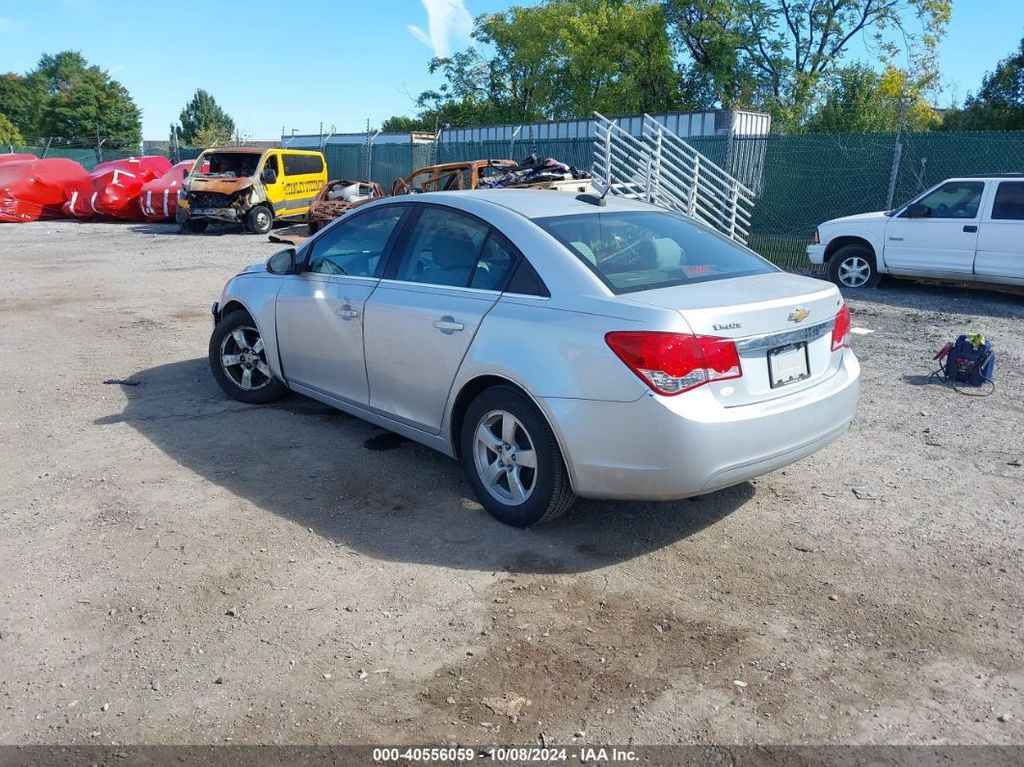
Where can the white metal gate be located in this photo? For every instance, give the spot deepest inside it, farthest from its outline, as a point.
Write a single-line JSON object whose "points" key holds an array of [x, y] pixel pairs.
{"points": [[661, 168]]}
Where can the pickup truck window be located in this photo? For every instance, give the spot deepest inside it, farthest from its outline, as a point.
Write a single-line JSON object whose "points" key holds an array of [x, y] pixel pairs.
{"points": [[1009, 203], [955, 199]]}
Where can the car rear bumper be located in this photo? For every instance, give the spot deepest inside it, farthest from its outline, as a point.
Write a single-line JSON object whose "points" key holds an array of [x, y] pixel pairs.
{"points": [[816, 254], [663, 448]]}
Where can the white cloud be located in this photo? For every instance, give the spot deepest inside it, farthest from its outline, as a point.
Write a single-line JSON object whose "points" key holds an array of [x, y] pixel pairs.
{"points": [[448, 24]]}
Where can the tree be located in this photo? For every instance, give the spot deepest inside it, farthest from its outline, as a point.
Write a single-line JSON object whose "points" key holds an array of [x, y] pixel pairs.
{"points": [[203, 123], [405, 124], [9, 133], [65, 97], [860, 100], [999, 105], [774, 54], [561, 59]]}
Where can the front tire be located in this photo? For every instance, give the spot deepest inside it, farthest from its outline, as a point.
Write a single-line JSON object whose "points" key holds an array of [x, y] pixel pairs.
{"points": [[854, 267], [259, 219], [512, 459], [238, 361], [190, 226]]}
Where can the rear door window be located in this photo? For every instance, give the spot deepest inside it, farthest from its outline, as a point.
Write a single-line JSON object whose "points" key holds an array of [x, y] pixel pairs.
{"points": [[1009, 202], [641, 250]]}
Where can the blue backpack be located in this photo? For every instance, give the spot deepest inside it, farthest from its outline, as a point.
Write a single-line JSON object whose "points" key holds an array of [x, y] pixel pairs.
{"points": [[969, 361]]}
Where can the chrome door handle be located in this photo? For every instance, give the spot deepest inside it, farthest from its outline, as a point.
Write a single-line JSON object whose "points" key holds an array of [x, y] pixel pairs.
{"points": [[448, 325], [347, 312]]}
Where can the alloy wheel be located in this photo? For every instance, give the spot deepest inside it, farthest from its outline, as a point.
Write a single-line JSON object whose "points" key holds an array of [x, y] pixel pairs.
{"points": [[244, 359], [505, 458], [854, 272]]}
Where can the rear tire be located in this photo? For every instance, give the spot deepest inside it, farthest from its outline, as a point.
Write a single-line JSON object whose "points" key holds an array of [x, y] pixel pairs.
{"points": [[853, 267], [238, 361], [259, 219], [512, 459]]}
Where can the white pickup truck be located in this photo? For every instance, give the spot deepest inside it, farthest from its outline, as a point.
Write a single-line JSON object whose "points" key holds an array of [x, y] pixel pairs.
{"points": [[965, 229]]}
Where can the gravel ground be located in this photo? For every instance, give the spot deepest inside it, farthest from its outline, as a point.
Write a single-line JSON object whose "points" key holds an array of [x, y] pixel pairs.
{"points": [[179, 567]]}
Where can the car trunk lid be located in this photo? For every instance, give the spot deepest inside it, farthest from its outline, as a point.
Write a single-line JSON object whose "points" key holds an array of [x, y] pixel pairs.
{"points": [[781, 324]]}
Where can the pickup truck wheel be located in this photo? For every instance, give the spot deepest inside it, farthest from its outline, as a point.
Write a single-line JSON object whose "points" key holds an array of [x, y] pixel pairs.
{"points": [[238, 361], [259, 220], [512, 459], [853, 266]]}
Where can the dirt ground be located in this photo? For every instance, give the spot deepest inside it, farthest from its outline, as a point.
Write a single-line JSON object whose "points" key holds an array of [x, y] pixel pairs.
{"points": [[179, 567]]}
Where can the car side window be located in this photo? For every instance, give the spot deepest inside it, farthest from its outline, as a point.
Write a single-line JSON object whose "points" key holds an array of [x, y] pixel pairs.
{"points": [[494, 265], [442, 248], [1009, 202], [355, 247], [956, 199]]}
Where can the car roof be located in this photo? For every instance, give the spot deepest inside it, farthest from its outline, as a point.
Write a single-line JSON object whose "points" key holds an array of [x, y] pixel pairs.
{"points": [[988, 175], [538, 203]]}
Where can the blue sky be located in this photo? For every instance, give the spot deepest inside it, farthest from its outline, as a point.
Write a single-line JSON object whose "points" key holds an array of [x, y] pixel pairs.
{"points": [[340, 62]]}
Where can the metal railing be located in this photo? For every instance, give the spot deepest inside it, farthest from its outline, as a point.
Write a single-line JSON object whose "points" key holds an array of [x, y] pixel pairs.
{"points": [[661, 168]]}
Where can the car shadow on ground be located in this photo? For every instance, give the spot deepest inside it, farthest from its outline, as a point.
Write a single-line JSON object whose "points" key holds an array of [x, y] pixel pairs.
{"points": [[378, 493], [1002, 302]]}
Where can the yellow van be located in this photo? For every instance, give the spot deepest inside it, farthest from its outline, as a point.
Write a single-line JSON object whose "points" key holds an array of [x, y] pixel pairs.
{"points": [[250, 186]]}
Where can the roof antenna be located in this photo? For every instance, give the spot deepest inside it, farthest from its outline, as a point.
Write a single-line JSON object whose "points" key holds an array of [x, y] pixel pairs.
{"points": [[594, 199]]}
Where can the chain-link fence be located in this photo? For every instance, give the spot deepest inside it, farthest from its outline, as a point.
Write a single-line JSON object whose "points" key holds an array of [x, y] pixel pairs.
{"points": [[800, 180], [88, 155]]}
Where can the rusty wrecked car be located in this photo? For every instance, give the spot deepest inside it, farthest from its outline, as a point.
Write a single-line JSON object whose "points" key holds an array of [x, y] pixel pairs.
{"points": [[339, 196], [531, 173], [250, 186]]}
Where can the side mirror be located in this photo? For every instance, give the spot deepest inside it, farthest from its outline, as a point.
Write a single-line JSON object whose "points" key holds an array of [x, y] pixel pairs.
{"points": [[282, 262], [917, 210], [268, 176]]}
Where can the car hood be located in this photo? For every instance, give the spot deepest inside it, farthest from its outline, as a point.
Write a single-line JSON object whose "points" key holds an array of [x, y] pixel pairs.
{"points": [[217, 185], [859, 218]]}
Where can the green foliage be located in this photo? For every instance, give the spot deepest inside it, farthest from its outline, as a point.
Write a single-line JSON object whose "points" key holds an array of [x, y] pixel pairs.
{"points": [[999, 105], [858, 99], [203, 123], [405, 124], [9, 133], [561, 59], [774, 54], [65, 97]]}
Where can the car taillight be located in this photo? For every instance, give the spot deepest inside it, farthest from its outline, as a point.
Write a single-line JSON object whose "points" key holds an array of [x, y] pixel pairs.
{"points": [[816, 238], [671, 363], [841, 330]]}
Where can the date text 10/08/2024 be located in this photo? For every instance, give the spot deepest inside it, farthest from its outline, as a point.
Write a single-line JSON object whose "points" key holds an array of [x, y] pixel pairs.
{"points": [[503, 754]]}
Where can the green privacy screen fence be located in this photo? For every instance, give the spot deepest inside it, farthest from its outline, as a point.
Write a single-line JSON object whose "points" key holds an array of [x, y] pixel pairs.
{"points": [[803, 180], [800, 180], [87, 158]]}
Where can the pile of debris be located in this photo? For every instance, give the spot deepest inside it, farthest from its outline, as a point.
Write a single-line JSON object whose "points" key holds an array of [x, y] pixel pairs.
{"points": [[336, 198], [535, 173]]}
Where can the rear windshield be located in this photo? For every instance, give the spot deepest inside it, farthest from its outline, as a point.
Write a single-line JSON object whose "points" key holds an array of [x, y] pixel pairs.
{"points": [[641, 250]]}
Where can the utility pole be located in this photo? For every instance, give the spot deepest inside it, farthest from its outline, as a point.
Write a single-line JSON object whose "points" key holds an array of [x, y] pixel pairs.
{"points": [[897, 154]]}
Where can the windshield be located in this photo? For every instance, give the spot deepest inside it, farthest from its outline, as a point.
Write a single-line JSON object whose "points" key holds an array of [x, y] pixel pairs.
{"points": [[642, 250], [230, 164]]}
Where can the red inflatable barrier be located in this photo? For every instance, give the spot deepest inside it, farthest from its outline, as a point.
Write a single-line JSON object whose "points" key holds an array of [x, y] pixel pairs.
{"points": [[16, 157], [31, 190], [158, 199], [115, 188]]}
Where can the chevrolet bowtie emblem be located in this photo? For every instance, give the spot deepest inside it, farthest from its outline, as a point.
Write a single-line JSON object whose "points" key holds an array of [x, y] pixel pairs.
{"points": [[799, 315]]}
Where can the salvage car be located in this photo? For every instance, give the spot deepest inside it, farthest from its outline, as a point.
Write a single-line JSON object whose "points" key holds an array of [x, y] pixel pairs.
{"points": [[967, 229], [557, 347], [250, 186], [338, 197], [450, 176]]}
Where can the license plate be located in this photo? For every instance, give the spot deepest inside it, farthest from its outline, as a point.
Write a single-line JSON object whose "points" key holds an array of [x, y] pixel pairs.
{"points": [[788, 364]]}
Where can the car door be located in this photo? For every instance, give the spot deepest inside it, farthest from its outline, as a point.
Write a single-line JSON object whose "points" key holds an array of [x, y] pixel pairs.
{"points": [[941, 243], [320, 311], [1001, 237], [445, 275]]}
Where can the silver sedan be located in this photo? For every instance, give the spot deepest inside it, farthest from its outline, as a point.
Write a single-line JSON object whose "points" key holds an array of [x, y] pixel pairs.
{"points": [[557, 347]]}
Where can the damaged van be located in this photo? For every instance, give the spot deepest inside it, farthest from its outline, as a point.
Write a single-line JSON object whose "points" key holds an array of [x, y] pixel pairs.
{"points": [[250, 186]]}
